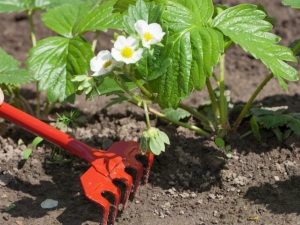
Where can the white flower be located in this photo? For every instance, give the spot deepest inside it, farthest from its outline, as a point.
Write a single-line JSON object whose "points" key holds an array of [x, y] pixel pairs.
{"points": [[1, 96], [103, 63], [126, 50], [149, 33]]}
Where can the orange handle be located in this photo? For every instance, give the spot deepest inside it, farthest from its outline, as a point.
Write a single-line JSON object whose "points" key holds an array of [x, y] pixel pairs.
{"points": [[47, 132]]}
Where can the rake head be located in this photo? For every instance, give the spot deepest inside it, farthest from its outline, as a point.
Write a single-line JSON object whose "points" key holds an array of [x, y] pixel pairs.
{"points": [[109, 167]]}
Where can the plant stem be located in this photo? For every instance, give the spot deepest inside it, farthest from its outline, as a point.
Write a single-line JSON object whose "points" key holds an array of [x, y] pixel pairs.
{"points": [[32, 32], [186, 125], [125, 88], [95, 40], [147, 114], [254, 95], [296, 48], [176, 122], [192, 111], [223, 102], [213, 100], [249, 103], [33, 40], [195, 113]]}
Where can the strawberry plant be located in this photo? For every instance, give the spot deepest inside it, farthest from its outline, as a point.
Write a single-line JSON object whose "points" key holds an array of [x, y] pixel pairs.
{"points": [[164, 50]]}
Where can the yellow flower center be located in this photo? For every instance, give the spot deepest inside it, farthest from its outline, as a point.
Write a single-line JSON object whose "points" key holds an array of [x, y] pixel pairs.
{"points": [[148, 36], [127, 52], [107, 64]]}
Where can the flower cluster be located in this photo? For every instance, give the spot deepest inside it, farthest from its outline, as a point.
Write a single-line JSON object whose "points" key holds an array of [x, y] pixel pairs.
{"points": [[127, 50]]}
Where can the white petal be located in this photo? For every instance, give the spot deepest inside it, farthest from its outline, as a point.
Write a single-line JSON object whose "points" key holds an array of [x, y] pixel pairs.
{"points": [[146, 44], [116, 54], [132, 42], [140, 26], [104, 55], [137, 55], [94, 64], [120, 42]]}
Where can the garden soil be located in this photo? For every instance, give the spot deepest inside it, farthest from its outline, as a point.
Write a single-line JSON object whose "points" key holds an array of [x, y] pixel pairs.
{"points": [[192, 183]]}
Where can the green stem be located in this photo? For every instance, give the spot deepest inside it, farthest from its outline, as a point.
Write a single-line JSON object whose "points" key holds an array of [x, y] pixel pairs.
{"points": [[27, 107], [147, 114], [195, 114], [95, 40], [125, 88], [192, 111], [249, 103], [223, 102], [254, 95], [32, 32], [48, 108], [186, 125], [213, 101], [33, 40], [296, 48]]}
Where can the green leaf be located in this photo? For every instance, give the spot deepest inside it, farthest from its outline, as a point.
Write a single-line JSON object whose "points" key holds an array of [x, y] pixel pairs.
{"points": [[164, 137], [193, 50], [176, 114], [255, 128], [11, 6], [118, 100], [75, 19], [10, 72], [27, 153], [220, 142], [154, 65], [201, 11], [246, 26], [55, 60], [122, 5], [36, 141], [10, 207], [57, 3], [136, 12], [271, 119], [22, 5], [293, 45], [154, 146], [293, 3]]}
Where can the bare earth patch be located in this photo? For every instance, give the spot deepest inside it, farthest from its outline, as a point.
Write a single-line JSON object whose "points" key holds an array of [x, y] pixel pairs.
{"points": [[192, 183]]}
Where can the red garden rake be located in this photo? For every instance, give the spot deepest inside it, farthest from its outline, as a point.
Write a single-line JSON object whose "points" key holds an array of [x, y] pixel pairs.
{"points": [[107, 166]]}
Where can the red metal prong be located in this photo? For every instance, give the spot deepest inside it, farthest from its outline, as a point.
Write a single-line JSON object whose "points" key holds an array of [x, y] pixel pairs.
{"points": [[94, 184], [150, 158], [118, 173]]}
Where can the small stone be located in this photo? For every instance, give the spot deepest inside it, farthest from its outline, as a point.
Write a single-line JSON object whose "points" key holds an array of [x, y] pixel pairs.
{"points": [[172, 176], [6, 217], [137, 202], [184, 195], [161, 215], [215, 213], [193, 195], [212, 196], [276, 178], [199, 202], [172, 183], [181, 212], [5, 179]]}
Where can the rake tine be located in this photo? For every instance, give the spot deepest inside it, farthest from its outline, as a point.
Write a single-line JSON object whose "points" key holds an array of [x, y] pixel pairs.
{"points": [[150, 158], [120, 174], [94, 184]]}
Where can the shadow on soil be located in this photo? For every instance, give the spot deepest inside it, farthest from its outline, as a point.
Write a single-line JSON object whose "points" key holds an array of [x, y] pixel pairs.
{"points": [[280, 198], [192, 164]]}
